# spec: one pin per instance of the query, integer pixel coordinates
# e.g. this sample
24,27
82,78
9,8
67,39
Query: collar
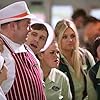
52,76
98,73
30,50
15,46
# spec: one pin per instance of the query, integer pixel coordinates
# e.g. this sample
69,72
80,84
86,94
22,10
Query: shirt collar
15,46
98,73
52,76
30,50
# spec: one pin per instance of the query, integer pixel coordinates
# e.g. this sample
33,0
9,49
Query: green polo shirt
57,86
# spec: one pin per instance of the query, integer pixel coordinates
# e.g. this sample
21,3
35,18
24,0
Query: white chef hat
13,12
50,30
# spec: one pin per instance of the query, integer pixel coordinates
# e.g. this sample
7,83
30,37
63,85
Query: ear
14,26
40,55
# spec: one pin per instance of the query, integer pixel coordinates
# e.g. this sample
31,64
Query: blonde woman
73,61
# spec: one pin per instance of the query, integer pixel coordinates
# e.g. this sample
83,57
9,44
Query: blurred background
53,10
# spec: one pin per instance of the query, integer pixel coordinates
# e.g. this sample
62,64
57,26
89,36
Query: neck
46,70
68,56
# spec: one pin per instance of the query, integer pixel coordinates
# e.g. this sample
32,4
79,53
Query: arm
90,58
2,96
66,92
92,95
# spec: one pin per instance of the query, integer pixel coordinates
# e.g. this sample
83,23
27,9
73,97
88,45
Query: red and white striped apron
27,84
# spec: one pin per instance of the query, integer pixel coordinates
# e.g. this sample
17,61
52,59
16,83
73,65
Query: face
98,52
36,40
68,40
96,30
50,57
92,30
23,27
79,22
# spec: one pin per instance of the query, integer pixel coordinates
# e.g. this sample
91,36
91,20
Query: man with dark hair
91,31
78,17
94,72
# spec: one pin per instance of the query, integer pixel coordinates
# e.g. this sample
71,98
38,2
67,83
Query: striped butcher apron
27,83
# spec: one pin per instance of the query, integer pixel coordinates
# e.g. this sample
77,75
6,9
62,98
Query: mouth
57,61
32,45
70,44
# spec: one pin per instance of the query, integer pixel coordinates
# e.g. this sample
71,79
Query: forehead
69,31
24,21
53,46
98,47
80,18
39,26
39,32
98,25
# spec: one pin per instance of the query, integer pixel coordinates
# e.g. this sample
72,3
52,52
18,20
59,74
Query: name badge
55,88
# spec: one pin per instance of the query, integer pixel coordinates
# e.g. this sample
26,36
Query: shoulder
2,96
85,52
59,74
95,68
87,55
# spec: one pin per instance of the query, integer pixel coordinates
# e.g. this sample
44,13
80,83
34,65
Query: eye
42,38
58,52
72,36
34,34
65,37
52,52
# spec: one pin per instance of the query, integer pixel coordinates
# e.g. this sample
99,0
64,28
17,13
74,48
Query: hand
1,45
3,73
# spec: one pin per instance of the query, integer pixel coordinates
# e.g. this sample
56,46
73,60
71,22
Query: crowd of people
38,62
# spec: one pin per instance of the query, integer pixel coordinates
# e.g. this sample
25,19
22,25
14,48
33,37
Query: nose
69,38
36,38
57,55
29,28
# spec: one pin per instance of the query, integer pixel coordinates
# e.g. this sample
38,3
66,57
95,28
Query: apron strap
6,44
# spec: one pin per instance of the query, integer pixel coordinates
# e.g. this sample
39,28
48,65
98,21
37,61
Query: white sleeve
2,95
1,62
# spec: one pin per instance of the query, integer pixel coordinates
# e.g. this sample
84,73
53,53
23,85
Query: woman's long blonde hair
60,28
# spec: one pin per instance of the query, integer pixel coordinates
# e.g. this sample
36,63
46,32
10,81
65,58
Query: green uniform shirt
57,86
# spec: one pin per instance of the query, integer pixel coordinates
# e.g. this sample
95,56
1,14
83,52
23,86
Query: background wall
43,8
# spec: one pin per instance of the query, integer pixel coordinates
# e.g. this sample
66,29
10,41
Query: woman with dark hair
96,48
94,72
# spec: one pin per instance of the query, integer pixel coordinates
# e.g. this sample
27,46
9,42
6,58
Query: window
60,12
95,13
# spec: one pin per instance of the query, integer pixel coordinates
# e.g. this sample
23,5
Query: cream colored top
78,83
